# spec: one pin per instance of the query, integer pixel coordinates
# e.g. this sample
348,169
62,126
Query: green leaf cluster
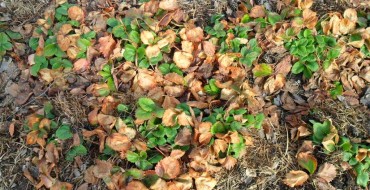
106,73
211,88
250,52
166,68
142,160
75,151
310,51
158,135
147,109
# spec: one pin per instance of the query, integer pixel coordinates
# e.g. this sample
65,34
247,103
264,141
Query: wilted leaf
307,161
257,11
81,65
205,182
195,34
118,142
168,5
183,59
327,172
168,168
169,117
147,37
76,13
295,178
183,138
107,45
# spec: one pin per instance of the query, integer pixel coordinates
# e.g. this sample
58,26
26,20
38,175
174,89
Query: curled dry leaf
168,168
177,154
102,169
229,162
147,37
183,138
152,51
81,65
195,34
118,142
185,120
168,5
107,45
309,18
295,178
327,172
183,59
205,182
136,185
257,11
76,13
209,48
169,117
305,4
107,121
93,116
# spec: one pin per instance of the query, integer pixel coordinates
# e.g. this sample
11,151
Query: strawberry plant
5,40
147,109
311,50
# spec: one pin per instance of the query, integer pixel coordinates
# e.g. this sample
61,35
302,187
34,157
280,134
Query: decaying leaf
327,172
295,178
168,168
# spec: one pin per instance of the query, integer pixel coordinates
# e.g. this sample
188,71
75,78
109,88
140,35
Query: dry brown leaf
295,178
205,183
135,185
309,18
257,11
169,117
229,162
152,51
168,5
102,169
147,37
107,45
284,66
209,48
361,154
118,142
327,172
182,59
195,34
183,138
185,120
177,154
107,121
305,4
81,65
168,168
76,13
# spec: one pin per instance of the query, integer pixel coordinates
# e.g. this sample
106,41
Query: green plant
5,40
75,151
357,155
147,109
211,88
337,90
64,132
250,52
142,160
157,134
310,51
106,73
166,68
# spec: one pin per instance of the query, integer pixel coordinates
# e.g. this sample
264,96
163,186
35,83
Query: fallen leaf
327,172
305,4
76,13
152,51
307,161
195,34
257,11
182,59
295,178
177,154
81,65
147,37
183,138
168,5
168,168
169,117
118,142
209,48
136,185
309,18
205,183
107,45
102,169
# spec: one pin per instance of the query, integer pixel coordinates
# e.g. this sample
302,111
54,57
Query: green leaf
64,132
147,104
155,159
35,69
142,114
79,150
320,130
122,108
345,144
112,22
238,148
13,35
363,179
119,32
262,70
313,66
132,156
273,18
346,156
129,53
50,50
246,18
48,108
33,43
134,36
89,35
135,173
211,88
337,90
83,44
218,127
4,42
308,162
144,164
259,120
297,68
164,68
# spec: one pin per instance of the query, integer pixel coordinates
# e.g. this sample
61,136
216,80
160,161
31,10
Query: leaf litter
202,98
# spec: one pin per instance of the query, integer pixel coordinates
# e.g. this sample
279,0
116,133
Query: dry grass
22,11
70,109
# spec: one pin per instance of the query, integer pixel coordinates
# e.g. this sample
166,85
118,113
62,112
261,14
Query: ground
262,167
